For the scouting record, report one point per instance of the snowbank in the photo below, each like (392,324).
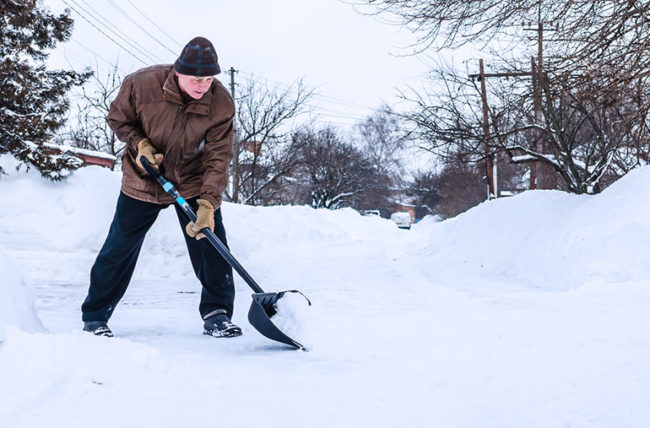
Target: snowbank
(552,239)
(549,239)
(75,215)
(16,301)
(61,215)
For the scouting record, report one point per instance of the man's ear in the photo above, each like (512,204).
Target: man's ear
(176,73)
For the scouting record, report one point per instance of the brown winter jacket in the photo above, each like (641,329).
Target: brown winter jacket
(195,137)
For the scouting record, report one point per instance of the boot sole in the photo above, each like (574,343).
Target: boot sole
(100,332)
(226,333)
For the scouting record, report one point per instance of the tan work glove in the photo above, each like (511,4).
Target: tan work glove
(149,152)
(204,218)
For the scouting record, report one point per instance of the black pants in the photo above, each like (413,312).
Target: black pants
(113,268)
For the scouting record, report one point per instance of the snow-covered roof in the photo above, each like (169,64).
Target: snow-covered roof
(77,150)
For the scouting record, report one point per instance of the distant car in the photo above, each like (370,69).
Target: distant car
(371,212)
(402,220)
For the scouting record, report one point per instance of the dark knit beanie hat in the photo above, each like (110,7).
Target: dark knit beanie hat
(198,58)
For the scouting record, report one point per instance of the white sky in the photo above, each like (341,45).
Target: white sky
(355,62)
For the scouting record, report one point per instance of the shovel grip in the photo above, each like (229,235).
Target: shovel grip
(210,235)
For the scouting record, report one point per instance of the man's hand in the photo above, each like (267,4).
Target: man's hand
(149,152)
(204,218)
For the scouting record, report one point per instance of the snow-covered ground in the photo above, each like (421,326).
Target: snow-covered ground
(530,311)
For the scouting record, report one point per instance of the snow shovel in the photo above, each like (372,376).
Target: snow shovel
(263,306)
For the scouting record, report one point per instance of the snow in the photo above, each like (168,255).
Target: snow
(76,150)
(292,318)
(16,300)
(561,240)
(529,311)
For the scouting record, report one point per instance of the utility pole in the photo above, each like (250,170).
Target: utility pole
(232,72)
(235,168)
(490,162)
(537,75)
(537,105)
(537,68)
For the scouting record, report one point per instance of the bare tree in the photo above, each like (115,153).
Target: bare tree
(448,192)
(270,181)
(587,134)
(590,85)
(336,174)
(91,130)
(382,140)
(587,127)
(584,28)
(264,153)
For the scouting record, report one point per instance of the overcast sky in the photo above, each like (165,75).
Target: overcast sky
(355,62)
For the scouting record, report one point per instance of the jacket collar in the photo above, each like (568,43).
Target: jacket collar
(172,93)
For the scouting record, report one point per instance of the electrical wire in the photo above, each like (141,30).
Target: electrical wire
(362,113)
(99,17)
(155,25)
(103,33)
(138,25)
(325,98)
(94,52)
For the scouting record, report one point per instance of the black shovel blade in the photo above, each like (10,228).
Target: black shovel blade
(260,313)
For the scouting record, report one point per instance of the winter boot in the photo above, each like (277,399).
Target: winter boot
(217,323)
(98,328)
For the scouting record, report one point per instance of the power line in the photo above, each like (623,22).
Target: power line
(344,102)
(316,111)
(154,24)
(103,33)
(327,115)
(328,112)
(337,117)
(328,99)
(110,26)
(97,56)
(338,112)
(127,16)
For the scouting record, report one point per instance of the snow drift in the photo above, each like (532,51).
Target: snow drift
(552,239)
(549,239)
(16,300)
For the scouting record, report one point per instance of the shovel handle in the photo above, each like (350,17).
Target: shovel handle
(210,235)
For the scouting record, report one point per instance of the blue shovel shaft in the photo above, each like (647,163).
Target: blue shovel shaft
(210,236)
(263,306)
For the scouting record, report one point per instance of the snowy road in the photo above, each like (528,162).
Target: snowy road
(398,337)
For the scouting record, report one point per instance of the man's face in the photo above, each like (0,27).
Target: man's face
(194,86)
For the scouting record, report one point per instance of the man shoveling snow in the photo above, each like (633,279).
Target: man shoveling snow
(180,119)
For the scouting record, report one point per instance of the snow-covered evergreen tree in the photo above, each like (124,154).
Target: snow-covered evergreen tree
(33,99)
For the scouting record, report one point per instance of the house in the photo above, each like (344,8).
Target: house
(89,157)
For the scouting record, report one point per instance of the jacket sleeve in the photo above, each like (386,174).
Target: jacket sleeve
(216,158)
(122,116)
